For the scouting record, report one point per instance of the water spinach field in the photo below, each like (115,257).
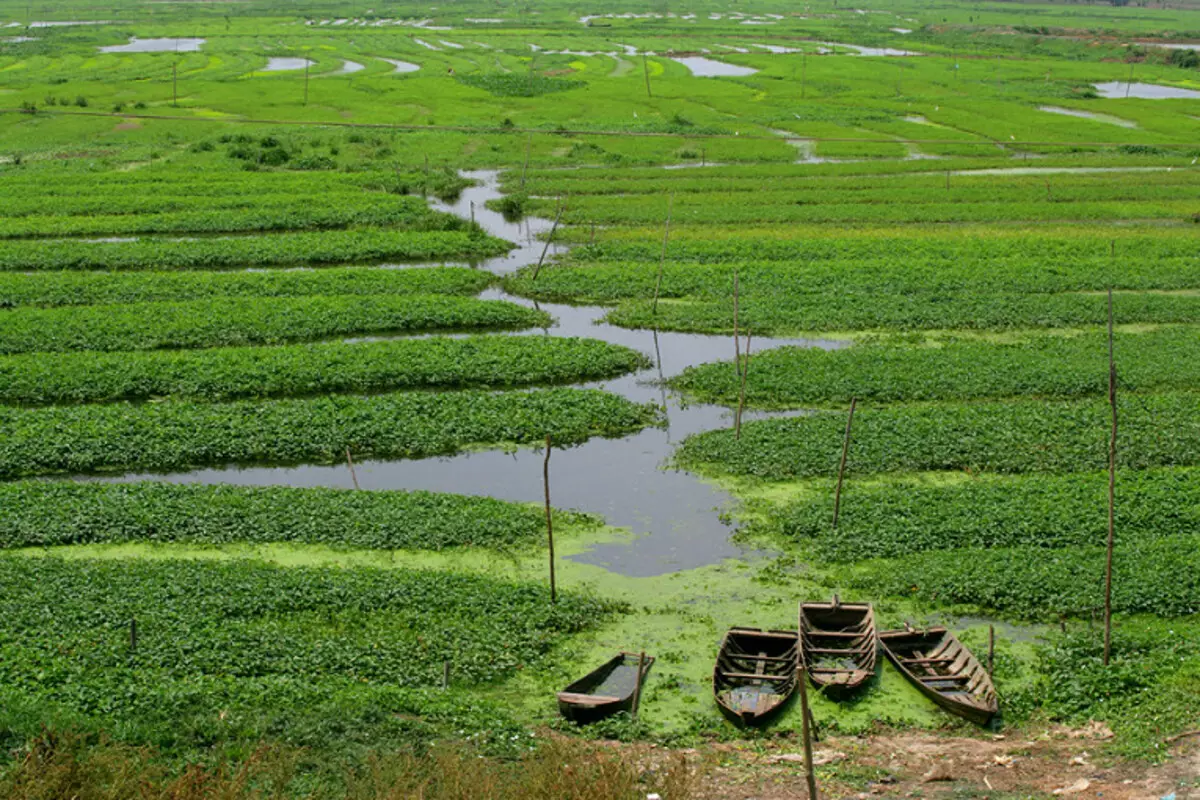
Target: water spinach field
(368,375)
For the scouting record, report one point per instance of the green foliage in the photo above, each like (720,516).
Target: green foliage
(478,362)
(1015,436)
(240,321)
(181,435)
(1159,577)
(229,653)
(93,288)
(282,249)
(514,85)
(1042,366)
(48,513)
(897,518)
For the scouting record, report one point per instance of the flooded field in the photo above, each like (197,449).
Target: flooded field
(703,67)
(136,45)
(1144,91)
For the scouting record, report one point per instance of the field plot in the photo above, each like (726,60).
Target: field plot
(578,301)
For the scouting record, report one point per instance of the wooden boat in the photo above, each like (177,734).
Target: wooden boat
(838,644)
(604,691)
(755,674)
(944,670)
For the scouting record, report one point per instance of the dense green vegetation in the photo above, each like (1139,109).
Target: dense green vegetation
(1015,436)
(47,513)
(227,653)
(283,249)
(1041,366)
(224,322)
(94,288)
(896,518)
(227,373)
(179,435)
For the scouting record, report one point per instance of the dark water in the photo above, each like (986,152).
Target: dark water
(674,516)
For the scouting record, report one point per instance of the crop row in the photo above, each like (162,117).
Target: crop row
(96,288)
(225,322)
(1014,436)
(479,362)
(890,519)
(280,249)
(1045,366)
(928,185)
(1160,577)
(781,314)
(174,198)
(977,269)
(235,652)
(178,435)
(53,513)
(1052,246)
(396,213)
(827,207)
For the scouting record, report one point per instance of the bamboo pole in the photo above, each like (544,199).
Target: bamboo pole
(549,239)
(133,636)
(737,351)
(637,686)
(646,72)
(737,423)
(350,461)
(806,731)
(445,674)
(991,649)
(662,258)
(175,85)
(1112,486)
(549,524)
(525,166)
(837,497)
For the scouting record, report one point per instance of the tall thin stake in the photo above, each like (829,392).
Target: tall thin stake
(737,420)
(837,496)
(549,524)
(133,634)
(806,730)
(1112,486)
(637,686)
(306,80)
(525,166)
(991,649)
(549,239)
(445,674)
(663,258)
(1128,86)
(646,71)
(175,85)
(737,351)
(350,461)
(803,73)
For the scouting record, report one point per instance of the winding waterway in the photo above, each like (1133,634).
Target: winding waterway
(675,517)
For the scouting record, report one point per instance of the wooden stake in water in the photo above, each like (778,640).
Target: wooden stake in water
(837,496)
(1128,86)
(806,731)
(663,257)
(637,685)
(1112,486)
(549,524)
(306,80)
(549,239)
(737,421)
(350,461)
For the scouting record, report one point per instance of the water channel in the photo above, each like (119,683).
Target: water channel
(675,518)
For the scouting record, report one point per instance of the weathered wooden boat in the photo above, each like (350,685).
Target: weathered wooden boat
(604,691)
(755,674)
(838,645)
(944,670)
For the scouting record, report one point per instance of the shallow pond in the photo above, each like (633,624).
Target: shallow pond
(137,45)
(1074,112)
(674,516)
(286,64)
(349,68)
(401,66)
(711,68)
(860,50)
(1144,91)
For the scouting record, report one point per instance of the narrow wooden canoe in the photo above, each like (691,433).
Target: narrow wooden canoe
(605,690)
(755,674)
(838,645)
(944,670)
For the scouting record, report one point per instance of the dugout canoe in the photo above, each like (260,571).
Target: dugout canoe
(944,670)
(606,690)
(755,674)
(838,644)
